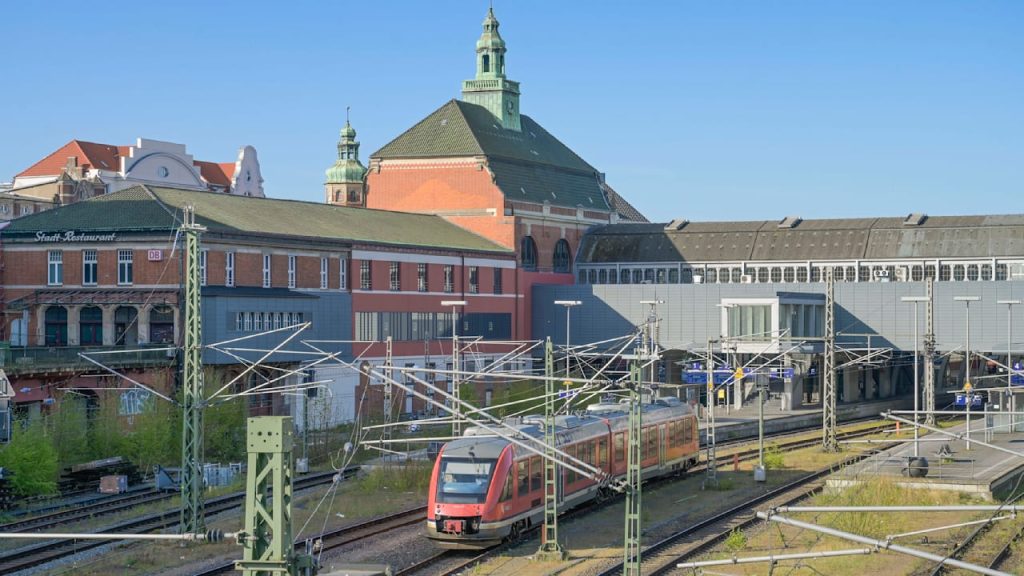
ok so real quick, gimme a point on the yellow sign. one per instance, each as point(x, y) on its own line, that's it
point(567, 383)
point(967, 386)
point(721, 394)
point(739, 374)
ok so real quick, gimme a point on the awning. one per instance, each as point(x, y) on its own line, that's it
point(81, 296)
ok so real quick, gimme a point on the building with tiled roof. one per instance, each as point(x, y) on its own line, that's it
point(485, 166)
point(80, 170)
point(104, 274)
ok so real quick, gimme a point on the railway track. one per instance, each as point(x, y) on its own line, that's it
point(49, 551)
point(344, 536)
point(74, 514)
point(444, 563)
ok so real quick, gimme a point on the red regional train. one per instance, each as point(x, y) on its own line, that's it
point(485, 489)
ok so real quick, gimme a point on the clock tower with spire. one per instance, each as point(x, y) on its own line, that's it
point(491, 89)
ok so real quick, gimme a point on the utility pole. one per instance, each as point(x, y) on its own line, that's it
point(388, 391)
point(267, 536)
point(711, 470)
point(915, 300)
point(631, 550)
point(1010, 404)
point(828, 397)
point(191, 476)
point(456, 409)
point(929, 353)
point(550, 549)
point(968, 387)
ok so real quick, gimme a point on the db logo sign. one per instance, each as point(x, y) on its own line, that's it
point(156, 255)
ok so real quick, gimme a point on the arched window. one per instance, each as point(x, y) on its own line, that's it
point(90, 326)
point(560, 261)
point(161, 325)
point(528, 253)
point(486, 62)
point(56, 320)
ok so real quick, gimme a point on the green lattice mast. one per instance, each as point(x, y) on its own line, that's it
point(191, 476)
point(631, 550)
point(550, 549)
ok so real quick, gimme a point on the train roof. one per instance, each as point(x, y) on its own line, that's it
point(530, 428)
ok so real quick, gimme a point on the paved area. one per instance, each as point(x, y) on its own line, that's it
point(980, 470)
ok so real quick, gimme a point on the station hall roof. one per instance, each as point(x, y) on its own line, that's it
point(529, 165)
point(151, 209)
point(794, 239)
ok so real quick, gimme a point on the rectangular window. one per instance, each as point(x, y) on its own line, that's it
point(497, 281)
point(229, 269)
point(55, 268)
point(90, 267)
point(248, 321)
point(239, 321)
point(536, 474)
point(291, 271)
point(421, 277)
point(343, 274)
point(124, 267)
point(449, 278)
point(266, 270)
point(522, 477)
point(202, 267)
point(474, 280)
point(365, 279)
point(620, 447)
point(258, 325)
point(323, 273)
point(395, 271)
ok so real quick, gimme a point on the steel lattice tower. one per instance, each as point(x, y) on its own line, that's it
point(929, 353)
point(191, 476)
point(550, 549)
point(631, 550)
point(828, 396)
point(711, 470)
point(388, 392)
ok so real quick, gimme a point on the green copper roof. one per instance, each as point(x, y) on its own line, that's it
point(347, 168)
point(150, 208)
point(528, 165)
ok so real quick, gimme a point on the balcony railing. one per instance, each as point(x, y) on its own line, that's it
point(37, 359)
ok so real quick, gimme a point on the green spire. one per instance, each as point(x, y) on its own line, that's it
point(490, 88)
point(347, 168)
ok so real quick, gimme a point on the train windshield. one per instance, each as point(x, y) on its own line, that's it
point(464, 481)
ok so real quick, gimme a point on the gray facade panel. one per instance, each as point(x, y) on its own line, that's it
point(330, 314)
point(689, 315)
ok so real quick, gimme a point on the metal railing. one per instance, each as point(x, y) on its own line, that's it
point(32, 359)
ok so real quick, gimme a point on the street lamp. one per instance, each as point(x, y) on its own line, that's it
point(457, 413)
point(915, 300)
point(967, 354)
point(568, 306)
point(1009, 351)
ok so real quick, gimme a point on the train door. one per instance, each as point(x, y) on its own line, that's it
point(661, 446)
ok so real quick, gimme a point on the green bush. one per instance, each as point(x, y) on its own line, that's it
point(773, 458)
point(736, 541)
point(32, 459)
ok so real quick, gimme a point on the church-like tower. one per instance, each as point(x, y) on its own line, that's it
point(491, 89)
point(345, 183)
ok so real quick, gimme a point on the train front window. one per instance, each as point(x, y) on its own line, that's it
point(464, 481)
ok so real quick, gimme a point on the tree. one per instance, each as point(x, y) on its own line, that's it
point(32, 459)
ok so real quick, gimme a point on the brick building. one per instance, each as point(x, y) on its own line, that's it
point(482, 165)
point(105, 275)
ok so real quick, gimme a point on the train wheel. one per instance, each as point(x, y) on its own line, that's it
point(514, 533)
point(603, 494)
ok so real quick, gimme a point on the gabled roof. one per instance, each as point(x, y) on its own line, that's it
point(90, 156)
point(821, 239)
point(150, 208)
point(621, 207)
point(218, 174)
point(530, 165)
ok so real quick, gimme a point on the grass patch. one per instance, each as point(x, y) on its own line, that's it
point(774, 458)
point(404, 477)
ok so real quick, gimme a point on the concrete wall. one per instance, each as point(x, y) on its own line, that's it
point(690, 316)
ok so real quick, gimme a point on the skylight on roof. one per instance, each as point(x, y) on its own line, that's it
point(534, 152)
point(523, 190)
point(444, 122)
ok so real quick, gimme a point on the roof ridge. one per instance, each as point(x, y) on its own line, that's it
point(479, 149)
point(172, 212)
point(46, 157)
point(462, 113)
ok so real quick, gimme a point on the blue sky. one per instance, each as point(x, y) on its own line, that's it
point(697, 110)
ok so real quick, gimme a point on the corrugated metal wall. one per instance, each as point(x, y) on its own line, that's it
point(689, 315)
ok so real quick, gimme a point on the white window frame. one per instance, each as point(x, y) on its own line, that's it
point(266, 270)
point(323, 272)
point(125, 267)
point(342, 273)
point(90, 261)
point(291, 271)
point(474, 279)
point(449, 278)
point(202, 267)
point(55, 268)
point(422, 277)
point(229, 268)
point(395, 276)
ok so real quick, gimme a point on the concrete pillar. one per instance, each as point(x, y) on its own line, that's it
point(886, 378)
point(793, 390)
point(851, 385)
point(73, 329)
point(142, 323)
point(108, 325)
point(40, 332)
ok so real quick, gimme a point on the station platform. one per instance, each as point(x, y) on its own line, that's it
point(739, 423)
point(981, 471)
